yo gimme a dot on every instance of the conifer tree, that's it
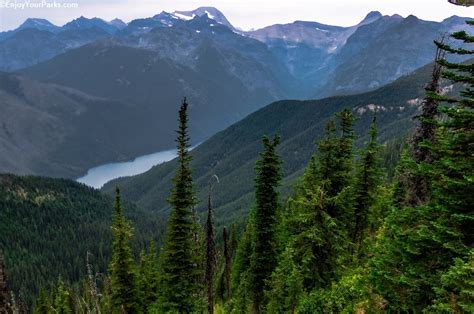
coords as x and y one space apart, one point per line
180 276
327 162
241 271
263 259
335 162
62 301
42 305
312 244
210 254
419 244
453 167
233 241
286 286
242 256
227 264
335 172
122 267
342 177
316 221
415 184
366 184
148 278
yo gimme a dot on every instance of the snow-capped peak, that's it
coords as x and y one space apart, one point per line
211 13
184 15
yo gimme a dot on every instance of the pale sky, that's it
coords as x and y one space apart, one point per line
245 14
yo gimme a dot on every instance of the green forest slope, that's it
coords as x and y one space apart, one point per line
47 226
231 154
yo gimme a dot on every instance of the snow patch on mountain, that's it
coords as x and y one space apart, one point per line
184 16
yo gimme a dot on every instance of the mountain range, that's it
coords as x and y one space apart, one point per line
140 71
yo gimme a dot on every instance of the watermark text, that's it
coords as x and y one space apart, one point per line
37 4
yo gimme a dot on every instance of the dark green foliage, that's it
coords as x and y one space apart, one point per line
335 169
42 305
350 294
316 221
211 255
233 240
122 267
47 226
286 285
421 248
366 186
227 265
62 299
148 278
341 176
263 258
241 269
455 294
315 238
180 275
416 183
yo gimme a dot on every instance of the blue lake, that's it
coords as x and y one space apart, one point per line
98 176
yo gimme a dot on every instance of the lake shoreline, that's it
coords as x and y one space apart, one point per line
97 176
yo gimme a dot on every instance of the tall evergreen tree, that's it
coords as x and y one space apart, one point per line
342 177
242 256
122 267
233 241
42 305
263 259
335 173
422 249
453 168
180 273
227 264
317 219
312 244
148 278
241 270
327 161
415 184
210 253
62 299
366 185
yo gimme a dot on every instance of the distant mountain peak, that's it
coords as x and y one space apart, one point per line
38 23
118 23
78 22
371 17
211 12
456 19
82 23
373 14
412 17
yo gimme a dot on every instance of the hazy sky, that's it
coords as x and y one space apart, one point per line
241 13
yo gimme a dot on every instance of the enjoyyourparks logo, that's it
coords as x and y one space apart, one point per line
37 4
